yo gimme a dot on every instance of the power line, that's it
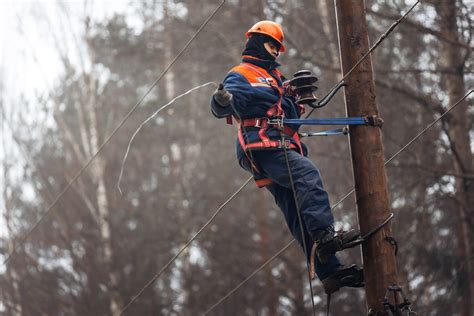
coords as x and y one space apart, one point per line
129 114
430 126
249 277
186 245
122 166
300 223
371 49
382 37
249 179
342 200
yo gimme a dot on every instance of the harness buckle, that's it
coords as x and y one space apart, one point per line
277 122
257 123
284 143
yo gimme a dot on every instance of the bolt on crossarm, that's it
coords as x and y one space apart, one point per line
366 152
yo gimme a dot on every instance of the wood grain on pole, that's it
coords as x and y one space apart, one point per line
366 152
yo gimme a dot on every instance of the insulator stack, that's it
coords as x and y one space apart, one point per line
304 85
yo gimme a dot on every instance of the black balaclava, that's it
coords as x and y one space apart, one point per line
255 48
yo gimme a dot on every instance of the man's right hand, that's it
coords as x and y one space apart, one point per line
222 96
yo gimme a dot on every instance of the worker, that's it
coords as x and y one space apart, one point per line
255 94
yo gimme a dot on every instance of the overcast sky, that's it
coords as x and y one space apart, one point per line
28 29
30 33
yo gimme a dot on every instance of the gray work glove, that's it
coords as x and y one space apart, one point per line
222 96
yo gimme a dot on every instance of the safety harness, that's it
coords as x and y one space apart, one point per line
273 119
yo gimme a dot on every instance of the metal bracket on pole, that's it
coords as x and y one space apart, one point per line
374 120
402 309
340 131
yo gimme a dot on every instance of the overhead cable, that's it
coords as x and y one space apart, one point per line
149 119
129 114
382 37
150 282
371 49
338 203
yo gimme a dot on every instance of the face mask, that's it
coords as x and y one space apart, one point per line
255 47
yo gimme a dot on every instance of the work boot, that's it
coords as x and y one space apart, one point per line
350 276
328 242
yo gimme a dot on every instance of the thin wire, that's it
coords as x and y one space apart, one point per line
372 48
347 195
342 200
291 242
149 119
132 110
300 222
305 248
248 180
431 125
157 275
252 163
249 277
414 139
186 245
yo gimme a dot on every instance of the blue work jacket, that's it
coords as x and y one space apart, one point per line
253 96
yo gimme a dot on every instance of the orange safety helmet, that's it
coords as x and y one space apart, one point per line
269 28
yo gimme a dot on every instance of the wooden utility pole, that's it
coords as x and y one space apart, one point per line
367 153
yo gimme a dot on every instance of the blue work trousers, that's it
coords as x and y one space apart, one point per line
312 198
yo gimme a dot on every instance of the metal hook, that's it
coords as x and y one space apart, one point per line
329 96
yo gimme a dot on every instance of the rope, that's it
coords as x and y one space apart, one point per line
132 110
377 43
186 245
300 223
342 200
149 119
249 179
289 169
371 49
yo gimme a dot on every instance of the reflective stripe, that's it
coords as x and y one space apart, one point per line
260 85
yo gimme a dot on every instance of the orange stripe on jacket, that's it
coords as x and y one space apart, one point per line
254 78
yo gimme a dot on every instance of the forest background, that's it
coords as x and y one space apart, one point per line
81 67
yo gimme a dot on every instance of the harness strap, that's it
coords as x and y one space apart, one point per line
263 124
271 144
247 147
263 182
266 123
244 147
276 109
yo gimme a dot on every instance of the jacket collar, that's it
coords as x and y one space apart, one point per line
265 64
